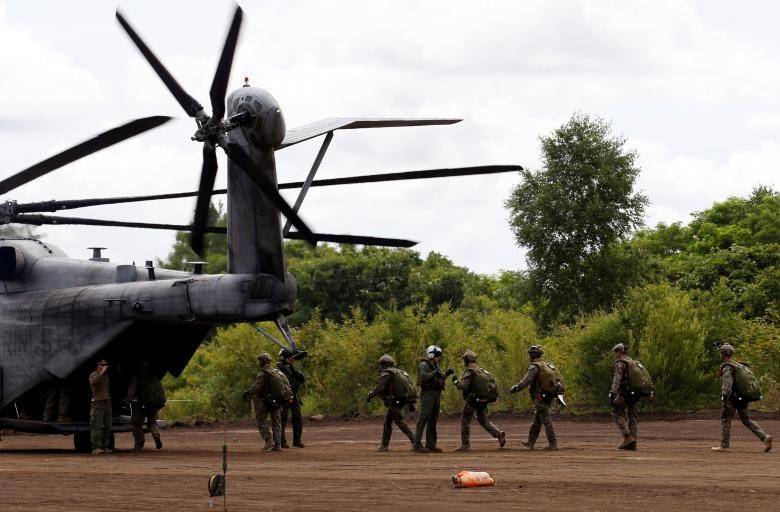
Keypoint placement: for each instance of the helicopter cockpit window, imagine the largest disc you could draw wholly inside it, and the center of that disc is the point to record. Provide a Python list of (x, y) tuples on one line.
[(11, 262)]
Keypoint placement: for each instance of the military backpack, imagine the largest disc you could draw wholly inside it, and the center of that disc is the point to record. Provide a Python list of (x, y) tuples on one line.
[(745, 386), (152, 393), (638, 379), (483, 386), (404, 391), (277, 390), (550, 378)]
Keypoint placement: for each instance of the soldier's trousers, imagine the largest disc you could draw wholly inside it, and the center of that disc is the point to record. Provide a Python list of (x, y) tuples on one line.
[(261, 416), (57, 407), (725, 423), (293, 411), (395, 415), (100, 424), (430, 403), (137, 419), (626, 418), (541, 417), (465, 422)]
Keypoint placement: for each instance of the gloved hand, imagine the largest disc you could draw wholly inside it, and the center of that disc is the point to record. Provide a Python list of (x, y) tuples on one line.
[(515, 388), (616, 399), (449, 372)]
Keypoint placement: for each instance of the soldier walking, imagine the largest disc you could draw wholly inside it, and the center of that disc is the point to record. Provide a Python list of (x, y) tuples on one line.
[(100, 409), (386, 389), (624, 403), (268, 393), (474, 383), (731, 404), (293, 409), (541, 401), (146, 396), (432, 383)]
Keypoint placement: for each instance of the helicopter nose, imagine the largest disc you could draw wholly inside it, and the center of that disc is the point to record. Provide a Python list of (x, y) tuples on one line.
[(274, 127)]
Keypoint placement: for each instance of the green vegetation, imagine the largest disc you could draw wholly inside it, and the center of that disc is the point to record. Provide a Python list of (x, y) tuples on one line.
[(670, 292)]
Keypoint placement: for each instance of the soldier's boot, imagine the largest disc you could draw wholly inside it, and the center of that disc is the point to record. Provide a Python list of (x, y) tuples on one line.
[(157, 441), (501, 438), (138, 447), (433, 449), (383, 448), (528, 444), (628, 441), (268, 444), (767, 443), (463, 448), (720, 448), (275, 448), (551, 447), (298, 444), (284, 443), (419, 449)]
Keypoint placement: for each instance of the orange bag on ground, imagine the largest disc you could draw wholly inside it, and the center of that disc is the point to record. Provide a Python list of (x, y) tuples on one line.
[(473, 479)]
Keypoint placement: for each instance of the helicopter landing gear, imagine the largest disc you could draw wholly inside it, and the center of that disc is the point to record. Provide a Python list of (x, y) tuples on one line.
[(284, 328), (82, 442)]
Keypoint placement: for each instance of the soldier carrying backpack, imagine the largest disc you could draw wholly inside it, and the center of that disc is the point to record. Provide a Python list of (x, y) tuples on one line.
[(479, 389), (630, 382), (269, 392), (738, 387), (396, 388), (545, 383)]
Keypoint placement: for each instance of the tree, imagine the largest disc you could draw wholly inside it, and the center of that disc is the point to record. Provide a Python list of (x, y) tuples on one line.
[(571, 214)]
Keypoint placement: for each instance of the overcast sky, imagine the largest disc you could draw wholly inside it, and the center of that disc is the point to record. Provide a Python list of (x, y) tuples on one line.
[(693, 86)]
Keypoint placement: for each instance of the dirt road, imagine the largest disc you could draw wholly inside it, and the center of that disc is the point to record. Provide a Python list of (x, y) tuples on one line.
[(674, 469)]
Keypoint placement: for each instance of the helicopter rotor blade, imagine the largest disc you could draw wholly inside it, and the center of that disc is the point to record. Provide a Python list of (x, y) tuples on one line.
[(187, 102), (40, 220), (93, 145), (222, 74), (207, 176), (52, 206), (240, 158), (354, 240)]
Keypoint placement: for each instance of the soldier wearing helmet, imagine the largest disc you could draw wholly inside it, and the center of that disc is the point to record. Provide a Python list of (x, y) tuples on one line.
[(432, 381), (263, 408), (731, 403), (468, 384), (624, 406), (541, 401), (293, 409), (385, 389)]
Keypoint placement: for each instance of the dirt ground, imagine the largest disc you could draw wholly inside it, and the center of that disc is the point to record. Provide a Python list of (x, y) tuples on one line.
[(673, 469)]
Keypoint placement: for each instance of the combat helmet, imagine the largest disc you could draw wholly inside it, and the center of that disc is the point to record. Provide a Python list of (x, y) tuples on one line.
[(264, 358), (284, 353), (620, 347), (535, 351), (386, 361), (469, 356), (726, 349)]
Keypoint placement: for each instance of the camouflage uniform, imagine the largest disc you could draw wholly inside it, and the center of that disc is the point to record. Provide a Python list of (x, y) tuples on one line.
[(293, 409), (146, 396), (100, 411), (432, 383), (625, 413), (384, 390), (471, 406), (730, 407), (541, 406), (58, 399), (272, 438)]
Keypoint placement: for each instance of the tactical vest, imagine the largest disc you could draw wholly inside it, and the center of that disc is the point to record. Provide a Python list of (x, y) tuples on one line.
[(637, 380), (277, 390), (549, 378), (483, 387), (403, 391), (745, 387), (151, 392)]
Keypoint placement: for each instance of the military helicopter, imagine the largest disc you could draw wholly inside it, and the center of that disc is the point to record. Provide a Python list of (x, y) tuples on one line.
[(60, 314)]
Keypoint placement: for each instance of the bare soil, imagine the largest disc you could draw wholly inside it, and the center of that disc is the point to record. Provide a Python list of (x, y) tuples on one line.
[(674, 469)]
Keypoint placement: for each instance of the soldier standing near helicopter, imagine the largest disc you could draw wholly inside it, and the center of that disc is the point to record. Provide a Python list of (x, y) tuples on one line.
[(432, 382), (293, 409)]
